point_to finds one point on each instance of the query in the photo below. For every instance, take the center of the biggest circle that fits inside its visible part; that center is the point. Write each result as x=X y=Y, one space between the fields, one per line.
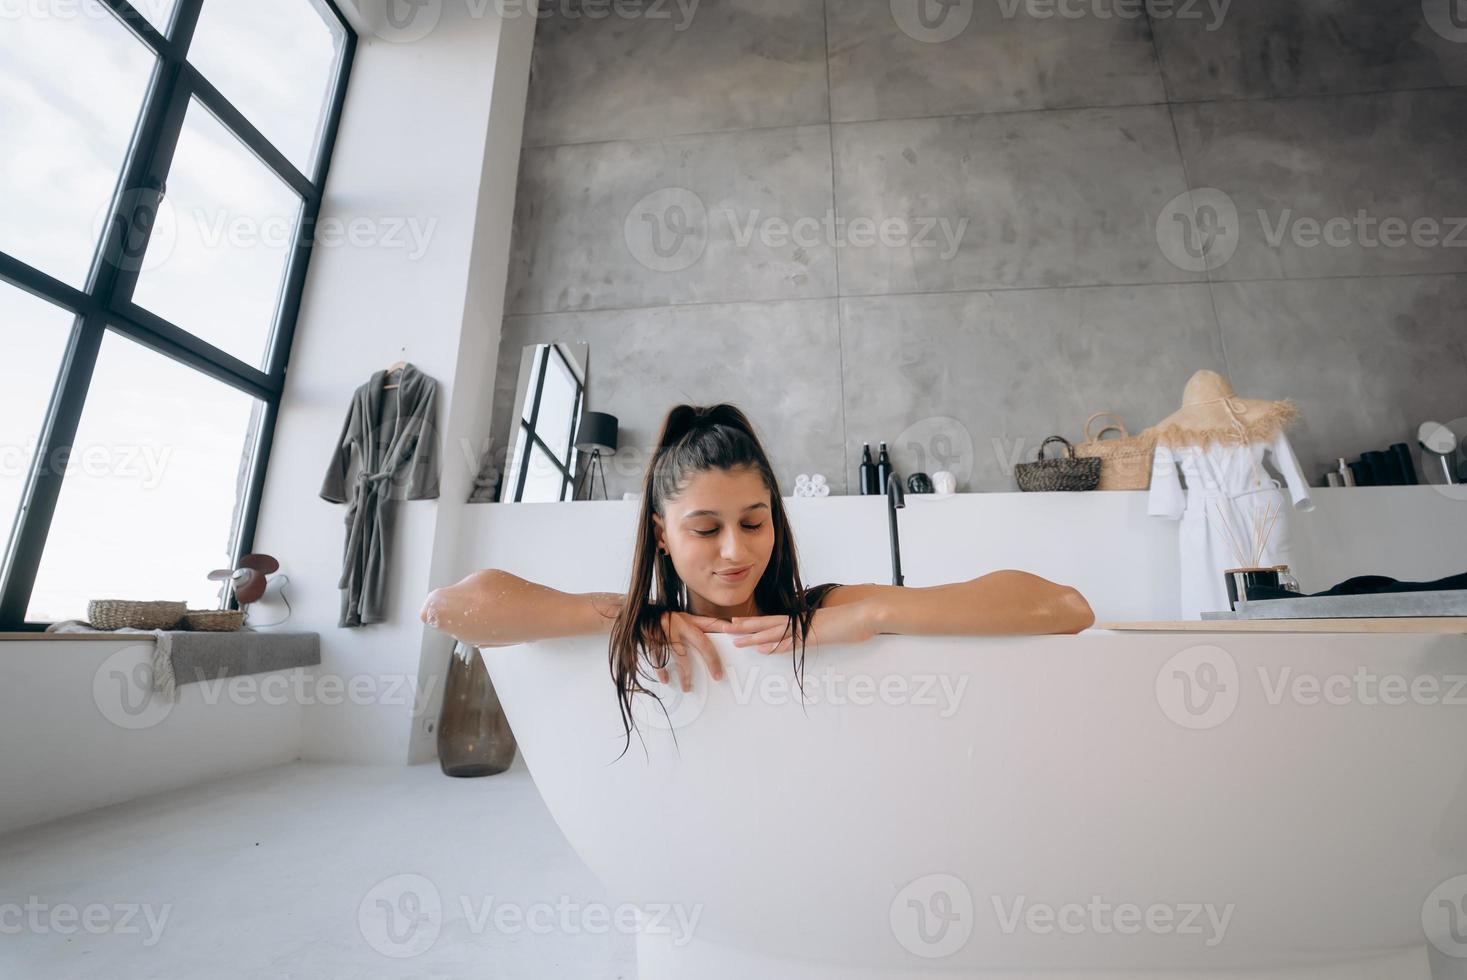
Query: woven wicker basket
x=1125 y=463
x=116 y=614
x=1067 y=473
x=214 y=620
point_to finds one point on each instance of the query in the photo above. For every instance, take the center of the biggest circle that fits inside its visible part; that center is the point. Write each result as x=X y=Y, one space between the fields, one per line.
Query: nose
x=730 y=548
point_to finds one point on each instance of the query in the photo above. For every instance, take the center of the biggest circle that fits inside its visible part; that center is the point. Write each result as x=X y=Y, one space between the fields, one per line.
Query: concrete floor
x=313 y=872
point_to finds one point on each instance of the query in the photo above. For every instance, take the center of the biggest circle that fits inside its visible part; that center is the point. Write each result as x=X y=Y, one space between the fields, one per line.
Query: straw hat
x=1212 y=412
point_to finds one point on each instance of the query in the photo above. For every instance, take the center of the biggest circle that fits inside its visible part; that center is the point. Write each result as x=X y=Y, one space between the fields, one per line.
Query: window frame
x=106 y=301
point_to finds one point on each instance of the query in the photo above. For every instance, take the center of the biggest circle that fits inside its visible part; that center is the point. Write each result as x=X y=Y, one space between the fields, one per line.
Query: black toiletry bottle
x=867 y=470
x=883 y=469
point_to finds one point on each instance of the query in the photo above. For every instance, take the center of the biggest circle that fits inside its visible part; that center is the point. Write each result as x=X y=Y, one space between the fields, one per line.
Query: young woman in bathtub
x=713 y=529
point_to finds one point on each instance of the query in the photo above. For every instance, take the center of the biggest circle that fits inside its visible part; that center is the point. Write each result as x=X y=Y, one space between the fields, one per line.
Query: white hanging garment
x=1229 y=498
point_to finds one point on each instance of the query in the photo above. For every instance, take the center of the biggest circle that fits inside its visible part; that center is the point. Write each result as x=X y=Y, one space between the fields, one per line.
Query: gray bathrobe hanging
x=387 y=451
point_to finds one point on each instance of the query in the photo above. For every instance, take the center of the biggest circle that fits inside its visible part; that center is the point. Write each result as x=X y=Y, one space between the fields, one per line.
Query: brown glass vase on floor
x=473 y=735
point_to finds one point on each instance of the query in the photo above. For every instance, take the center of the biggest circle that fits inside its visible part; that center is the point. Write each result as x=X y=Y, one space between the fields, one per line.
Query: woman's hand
x=684 y=632
x=849 y=622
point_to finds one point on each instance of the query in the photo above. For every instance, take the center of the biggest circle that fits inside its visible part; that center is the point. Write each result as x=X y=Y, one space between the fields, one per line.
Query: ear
x=659 y=537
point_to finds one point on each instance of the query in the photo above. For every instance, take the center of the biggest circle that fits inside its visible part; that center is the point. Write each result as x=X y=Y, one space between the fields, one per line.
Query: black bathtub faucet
x=895 y=499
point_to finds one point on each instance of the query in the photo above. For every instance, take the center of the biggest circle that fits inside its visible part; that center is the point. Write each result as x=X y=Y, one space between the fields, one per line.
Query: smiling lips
x=737 y=576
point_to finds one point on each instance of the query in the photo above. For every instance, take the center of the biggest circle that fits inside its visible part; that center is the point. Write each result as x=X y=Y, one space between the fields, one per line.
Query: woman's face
x=719 y=525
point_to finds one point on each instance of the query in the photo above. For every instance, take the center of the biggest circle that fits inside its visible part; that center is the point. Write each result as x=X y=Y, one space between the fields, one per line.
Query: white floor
x=313 y=872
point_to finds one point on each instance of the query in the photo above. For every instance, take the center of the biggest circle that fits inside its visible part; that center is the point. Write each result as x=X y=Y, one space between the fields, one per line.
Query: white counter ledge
x=1403 y=624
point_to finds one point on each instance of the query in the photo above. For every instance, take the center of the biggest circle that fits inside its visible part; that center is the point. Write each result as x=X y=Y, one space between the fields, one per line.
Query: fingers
x=684 y=667
x=765 y=638
x=708 y=652
x=754 y=624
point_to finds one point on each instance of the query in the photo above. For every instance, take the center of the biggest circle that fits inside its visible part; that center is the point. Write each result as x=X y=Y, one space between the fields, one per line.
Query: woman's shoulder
x=821 y=595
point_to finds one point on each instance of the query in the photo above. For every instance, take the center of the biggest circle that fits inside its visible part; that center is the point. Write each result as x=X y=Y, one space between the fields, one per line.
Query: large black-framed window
x=124 y=341
x=544 y=457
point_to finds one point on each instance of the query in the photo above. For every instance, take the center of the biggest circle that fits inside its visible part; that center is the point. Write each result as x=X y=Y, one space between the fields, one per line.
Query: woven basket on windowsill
x=214 y=620
x=116 y=614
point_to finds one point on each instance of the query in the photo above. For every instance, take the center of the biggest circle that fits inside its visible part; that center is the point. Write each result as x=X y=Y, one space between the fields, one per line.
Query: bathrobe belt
x=366 y=485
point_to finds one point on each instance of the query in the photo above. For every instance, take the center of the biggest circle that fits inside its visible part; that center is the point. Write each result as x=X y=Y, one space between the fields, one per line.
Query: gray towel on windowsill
x=187 y=657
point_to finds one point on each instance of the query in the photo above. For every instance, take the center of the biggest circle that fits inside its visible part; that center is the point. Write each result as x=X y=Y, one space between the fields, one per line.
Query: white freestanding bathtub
x=1103 y=805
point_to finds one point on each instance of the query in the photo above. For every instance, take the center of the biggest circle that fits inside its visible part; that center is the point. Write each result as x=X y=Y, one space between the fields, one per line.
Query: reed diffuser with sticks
x=1249 y=544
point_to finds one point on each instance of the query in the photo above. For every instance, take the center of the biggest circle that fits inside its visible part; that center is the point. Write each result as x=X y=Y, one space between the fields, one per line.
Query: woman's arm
x=496 y=608
x=1007 y=601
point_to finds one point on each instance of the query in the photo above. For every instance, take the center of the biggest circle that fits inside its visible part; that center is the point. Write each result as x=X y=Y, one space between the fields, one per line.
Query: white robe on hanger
x=1224 y=479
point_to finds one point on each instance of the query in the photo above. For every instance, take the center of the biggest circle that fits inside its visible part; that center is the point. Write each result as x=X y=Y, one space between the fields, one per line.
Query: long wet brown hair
x=695 y=439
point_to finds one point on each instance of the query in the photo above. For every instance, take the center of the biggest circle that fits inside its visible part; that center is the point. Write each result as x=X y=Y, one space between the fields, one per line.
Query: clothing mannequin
x=1218 y=441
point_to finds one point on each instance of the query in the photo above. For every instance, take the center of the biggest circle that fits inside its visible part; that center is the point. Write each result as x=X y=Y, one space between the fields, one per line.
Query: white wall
x=431 y=133
x=1101 y=543
x=79 y=732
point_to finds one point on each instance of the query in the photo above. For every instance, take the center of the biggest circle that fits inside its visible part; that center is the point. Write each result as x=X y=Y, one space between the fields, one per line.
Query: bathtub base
x=658 y=959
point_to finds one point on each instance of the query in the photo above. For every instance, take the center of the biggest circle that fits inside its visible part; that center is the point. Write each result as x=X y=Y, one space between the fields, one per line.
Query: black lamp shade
x=597 y=431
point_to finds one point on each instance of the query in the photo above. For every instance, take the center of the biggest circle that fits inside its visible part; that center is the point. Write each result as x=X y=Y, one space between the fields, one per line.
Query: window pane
x=72 y=81
x=33 y=335
x=544 y=480
x=511 y=478
x=557 y=407
x=276 y=60
x=151 y=498
x=217 y=258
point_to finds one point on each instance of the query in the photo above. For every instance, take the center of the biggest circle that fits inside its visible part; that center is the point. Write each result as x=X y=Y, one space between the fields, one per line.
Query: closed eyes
x=713 y=530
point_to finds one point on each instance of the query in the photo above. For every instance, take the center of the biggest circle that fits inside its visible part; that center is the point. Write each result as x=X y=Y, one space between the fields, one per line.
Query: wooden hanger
x=398 y=366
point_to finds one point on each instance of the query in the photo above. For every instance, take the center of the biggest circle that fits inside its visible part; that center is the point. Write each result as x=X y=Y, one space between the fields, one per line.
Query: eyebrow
x=713 y=513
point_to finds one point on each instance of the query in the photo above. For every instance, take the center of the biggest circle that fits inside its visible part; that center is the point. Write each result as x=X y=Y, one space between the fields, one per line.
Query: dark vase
x=473 y=735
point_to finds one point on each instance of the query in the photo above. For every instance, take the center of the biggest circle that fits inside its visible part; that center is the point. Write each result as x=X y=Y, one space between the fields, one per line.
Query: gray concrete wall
x=1069 y=206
